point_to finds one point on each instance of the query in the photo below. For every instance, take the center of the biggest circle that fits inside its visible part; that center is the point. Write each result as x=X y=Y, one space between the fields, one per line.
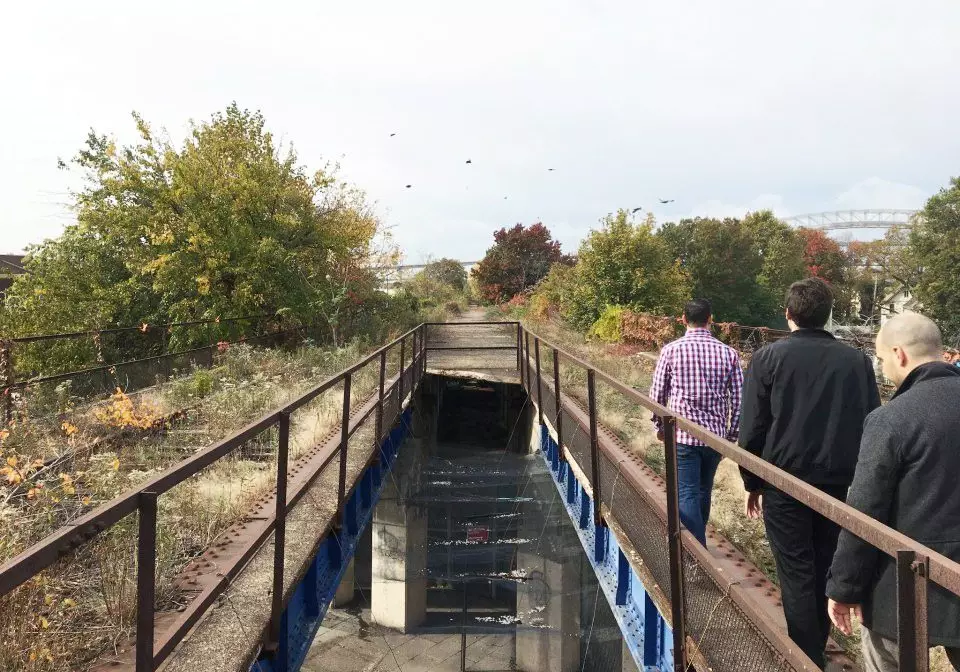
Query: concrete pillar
x=399 y=534
x=550 y=596
x=345 y=590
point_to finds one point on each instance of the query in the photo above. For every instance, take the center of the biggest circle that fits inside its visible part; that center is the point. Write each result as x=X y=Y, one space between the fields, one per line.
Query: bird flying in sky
x=636 y=210
x=409 y=185
x=666 y=200
x=469 y=161
x=392 y=134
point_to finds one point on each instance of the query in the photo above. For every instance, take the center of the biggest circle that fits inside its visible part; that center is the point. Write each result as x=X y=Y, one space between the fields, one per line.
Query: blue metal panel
x=313 y=595
x=645 y=632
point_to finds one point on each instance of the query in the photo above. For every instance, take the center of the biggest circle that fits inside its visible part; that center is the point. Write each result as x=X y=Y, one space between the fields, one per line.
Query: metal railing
x=105 y=374
x=599 y=462
x=143 y=500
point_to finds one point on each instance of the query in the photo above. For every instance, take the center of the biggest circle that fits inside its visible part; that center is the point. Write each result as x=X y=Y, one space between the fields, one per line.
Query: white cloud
x=877 y=193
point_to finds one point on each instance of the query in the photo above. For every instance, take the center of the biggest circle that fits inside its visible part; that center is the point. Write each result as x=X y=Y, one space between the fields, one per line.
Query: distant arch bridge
x=840 y=220
x=393 y=276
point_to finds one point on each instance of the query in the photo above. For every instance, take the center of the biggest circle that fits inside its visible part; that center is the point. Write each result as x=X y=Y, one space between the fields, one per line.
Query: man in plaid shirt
x=699 y=378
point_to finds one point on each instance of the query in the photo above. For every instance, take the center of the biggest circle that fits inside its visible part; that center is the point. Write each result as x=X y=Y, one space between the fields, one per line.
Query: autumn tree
x=782 y=250
x=935 y=249
x=520 y=257
x=623 y=263
x=227 y=224
x=822 y=255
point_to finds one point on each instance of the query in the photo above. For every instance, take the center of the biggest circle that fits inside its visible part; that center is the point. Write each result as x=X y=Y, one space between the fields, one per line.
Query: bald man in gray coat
x=906 y=477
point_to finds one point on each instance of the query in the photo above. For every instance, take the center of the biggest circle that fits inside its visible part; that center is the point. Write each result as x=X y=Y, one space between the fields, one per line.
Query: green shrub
x=607 y=326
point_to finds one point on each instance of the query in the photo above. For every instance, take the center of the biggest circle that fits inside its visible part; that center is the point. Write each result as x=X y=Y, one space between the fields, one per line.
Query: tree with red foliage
x=520 y=258
x=822 y=256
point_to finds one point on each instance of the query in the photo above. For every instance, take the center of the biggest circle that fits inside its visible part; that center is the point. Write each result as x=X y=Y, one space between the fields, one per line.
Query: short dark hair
x=697 y=312
x=809 y=303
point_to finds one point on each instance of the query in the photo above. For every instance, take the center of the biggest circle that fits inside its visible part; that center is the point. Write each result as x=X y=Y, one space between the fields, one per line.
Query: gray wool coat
x=907 y=477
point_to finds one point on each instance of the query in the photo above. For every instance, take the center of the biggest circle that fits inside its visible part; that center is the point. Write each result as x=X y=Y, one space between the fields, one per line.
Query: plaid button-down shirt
x=700 y=378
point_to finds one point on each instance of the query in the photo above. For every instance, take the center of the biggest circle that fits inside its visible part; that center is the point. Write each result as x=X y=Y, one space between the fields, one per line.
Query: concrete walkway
x=349 y=642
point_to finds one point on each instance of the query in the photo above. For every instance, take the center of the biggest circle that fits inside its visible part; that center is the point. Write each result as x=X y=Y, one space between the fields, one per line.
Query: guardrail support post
x=675 y=546
x=279 y=532
x=383 y=380
x=526 y=361
x=912 y=572
x=344 y=438
x=536 y=355
x=146 y=579
x=403 y=344
x=520 y=354
x=558 y=421
x=594 y=446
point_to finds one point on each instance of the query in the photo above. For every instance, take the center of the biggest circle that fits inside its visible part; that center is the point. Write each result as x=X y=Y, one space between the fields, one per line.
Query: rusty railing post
x=414 y=361
x=912 y=572
x=279 y=531
x=526 y=362
x=403 y=343
x=594 y=446
x=520 y=355
x=344 y=438
x=675 y=546
x=519 y=350
x=536 y=355
x=383 y=381
x=425 y=339
x=146 y=579
x=558 y=421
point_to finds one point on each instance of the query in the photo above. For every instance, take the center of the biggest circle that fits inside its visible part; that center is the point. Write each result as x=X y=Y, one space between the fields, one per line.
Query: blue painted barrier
x=647 y=635
x=313 y=595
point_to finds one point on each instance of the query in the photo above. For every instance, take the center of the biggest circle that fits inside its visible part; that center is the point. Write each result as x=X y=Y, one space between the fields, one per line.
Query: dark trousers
x=803 y=544
x=696 y=469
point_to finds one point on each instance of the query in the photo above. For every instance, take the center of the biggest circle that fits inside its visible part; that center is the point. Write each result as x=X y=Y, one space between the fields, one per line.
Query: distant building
x=897 y=301
x=11 y=265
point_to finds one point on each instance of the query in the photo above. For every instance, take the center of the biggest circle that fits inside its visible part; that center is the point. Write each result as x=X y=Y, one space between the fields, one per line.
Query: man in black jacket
x=804 y=401
x=906 y=478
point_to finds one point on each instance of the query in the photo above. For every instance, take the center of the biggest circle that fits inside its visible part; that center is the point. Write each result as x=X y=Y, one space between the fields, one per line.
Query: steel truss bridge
x=842 y=220
x=676 y=602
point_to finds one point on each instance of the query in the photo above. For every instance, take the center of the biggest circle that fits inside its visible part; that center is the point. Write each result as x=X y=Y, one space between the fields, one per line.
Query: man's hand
x=840 y=615
x=660 y=435
x=755 y=505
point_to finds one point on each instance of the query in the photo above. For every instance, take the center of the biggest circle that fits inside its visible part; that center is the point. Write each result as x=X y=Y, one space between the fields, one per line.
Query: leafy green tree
x=624 y=263
x=520 y=258
x=227 y=224
x=935 y=248
x=724 y=264
x=781 y=249
x=448 y=272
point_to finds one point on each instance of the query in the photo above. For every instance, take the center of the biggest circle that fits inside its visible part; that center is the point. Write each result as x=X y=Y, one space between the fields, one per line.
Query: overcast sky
x=723 y=106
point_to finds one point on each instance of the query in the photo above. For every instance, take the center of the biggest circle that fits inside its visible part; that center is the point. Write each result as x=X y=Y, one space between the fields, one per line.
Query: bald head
x=905 y=342
x=919 y=336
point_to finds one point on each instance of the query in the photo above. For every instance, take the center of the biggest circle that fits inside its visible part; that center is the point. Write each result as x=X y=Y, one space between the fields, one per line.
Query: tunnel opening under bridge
x=472 y=559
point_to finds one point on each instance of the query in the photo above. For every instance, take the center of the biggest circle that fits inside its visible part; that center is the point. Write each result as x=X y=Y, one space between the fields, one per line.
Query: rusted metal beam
x=146 y=580
x=675 y=547
x=912 y=570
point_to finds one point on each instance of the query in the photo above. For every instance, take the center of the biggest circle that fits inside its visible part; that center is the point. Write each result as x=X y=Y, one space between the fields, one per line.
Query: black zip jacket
x=906 y=478
x=805 y=398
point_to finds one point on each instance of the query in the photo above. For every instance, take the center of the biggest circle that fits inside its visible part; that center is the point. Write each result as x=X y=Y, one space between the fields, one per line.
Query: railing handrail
x=35 y=338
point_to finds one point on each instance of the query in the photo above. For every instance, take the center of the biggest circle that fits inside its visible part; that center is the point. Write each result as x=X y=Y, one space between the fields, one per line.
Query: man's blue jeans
x=696 y=467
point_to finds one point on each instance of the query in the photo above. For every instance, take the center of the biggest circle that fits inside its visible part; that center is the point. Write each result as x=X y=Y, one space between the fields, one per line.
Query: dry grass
x=85 y=605
x=634 y=426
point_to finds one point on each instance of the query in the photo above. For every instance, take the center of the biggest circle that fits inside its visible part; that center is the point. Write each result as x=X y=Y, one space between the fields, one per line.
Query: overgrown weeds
x=57 y=468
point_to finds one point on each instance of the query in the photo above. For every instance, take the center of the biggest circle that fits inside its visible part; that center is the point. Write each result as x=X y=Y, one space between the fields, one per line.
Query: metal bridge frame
x=854 y=219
